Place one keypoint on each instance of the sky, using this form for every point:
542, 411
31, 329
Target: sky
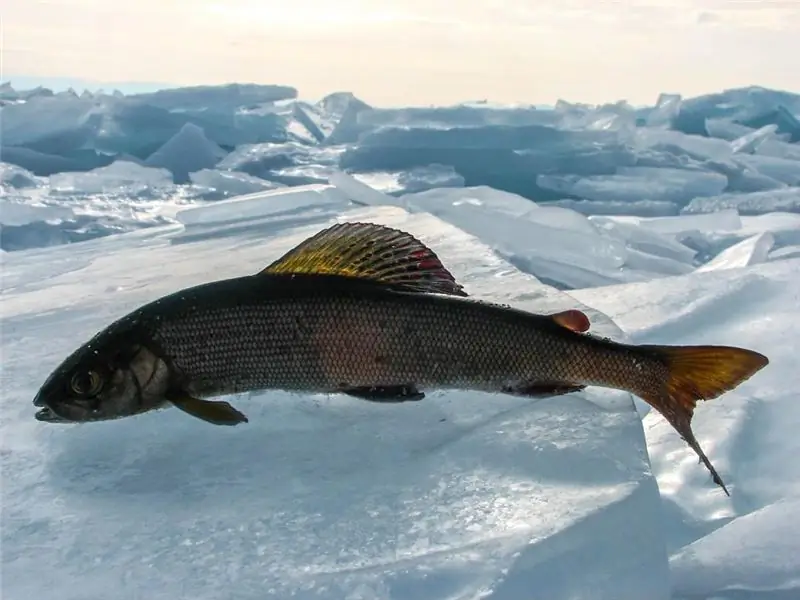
409, 52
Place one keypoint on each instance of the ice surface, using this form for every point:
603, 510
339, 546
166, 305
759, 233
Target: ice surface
418, 179
317, 200
753, 556
223, 184
675, 142
20, 213
632, 184
12, 176
187, 151
43, 164
646, 239
751, 251
779, 149
464, 495
781, 169
785, 252
749, 141
751, 106
121, 176
554, 244
506, 158
500, 497
754, 203
359, 120
204, 97
666, 109
271, 161
643, 208
726, 129
750, 433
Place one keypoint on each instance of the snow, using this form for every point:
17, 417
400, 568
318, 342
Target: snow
676, 223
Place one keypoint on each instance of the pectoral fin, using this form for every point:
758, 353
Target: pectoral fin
543, 390
217, 412
391, 393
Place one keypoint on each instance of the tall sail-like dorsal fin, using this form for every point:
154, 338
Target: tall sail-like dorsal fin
373, 252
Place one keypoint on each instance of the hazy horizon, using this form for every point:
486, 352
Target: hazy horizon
411, 52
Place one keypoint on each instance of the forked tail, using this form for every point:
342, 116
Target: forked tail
698, 373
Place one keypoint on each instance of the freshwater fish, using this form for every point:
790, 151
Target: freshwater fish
369, 311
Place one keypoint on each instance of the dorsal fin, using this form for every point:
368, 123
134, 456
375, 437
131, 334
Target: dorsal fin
373, 252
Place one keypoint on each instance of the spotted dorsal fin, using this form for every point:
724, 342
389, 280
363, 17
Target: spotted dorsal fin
372, 252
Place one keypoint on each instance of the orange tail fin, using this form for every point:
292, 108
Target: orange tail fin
699, 373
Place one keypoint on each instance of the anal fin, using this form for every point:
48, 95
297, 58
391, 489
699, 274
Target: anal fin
216, 412
543, 389
386, 393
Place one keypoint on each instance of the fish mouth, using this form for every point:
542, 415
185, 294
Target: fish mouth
48, 416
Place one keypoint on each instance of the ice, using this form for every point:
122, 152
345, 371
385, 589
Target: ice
666, 109
779, 149
675, 142
319, 200
781, 169
303, 115
751, 140
787, 122
431, 176
139, 125
750, 433
785, 252
274, 161
753, 556
723, 220
748, 252
464, 495
726, 129
645, 239
15, 177
751, 106
359, 120
223, 184
754, 203
632, 184
122, 175
187, 151
643, 208
43, 164
505, 158
204, 97
554, 244
20, 213
418, 179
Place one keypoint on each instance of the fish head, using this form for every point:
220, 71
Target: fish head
110, 377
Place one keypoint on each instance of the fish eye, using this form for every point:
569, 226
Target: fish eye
86, 383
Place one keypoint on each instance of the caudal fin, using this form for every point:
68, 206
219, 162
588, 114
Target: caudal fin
699, 373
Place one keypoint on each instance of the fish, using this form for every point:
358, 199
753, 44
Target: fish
371, 312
